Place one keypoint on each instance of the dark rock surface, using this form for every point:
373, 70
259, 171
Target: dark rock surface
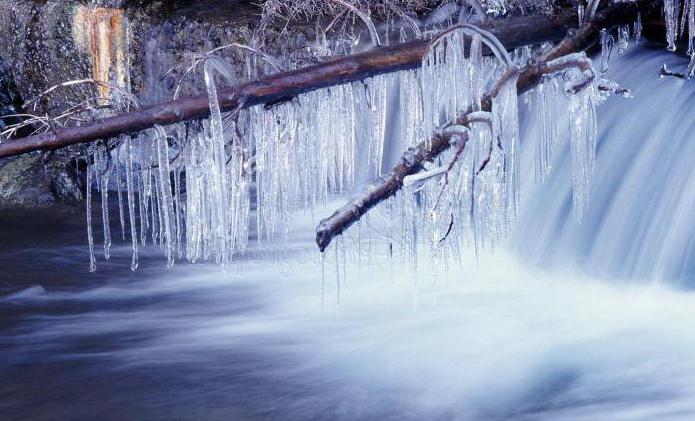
30, 181
54, 41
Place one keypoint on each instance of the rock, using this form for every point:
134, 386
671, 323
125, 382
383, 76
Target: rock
28, 181
23, 183
66, 189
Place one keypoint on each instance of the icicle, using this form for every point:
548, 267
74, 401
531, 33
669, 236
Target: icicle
411, 108
671, 17
218, 193
154, 211
637, 31
142, 201
691, 37
131, 201
506, 130
377, 89
684, 18
475, 71
104, 187
583, 132
607, 42
337, 277
548, 96
119, 188
165, 204
90, 237
623, 39
177, 211
323, 279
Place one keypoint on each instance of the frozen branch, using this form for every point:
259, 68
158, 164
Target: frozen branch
488, 38
512, 32
374, 35
578, 61
561, 57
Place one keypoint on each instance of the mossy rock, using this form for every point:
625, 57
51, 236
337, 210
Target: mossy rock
26, 182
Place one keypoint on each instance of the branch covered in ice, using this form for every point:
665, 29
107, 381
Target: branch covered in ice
408, 20
513, 32
471, 30
410, 163
578, 61
550, 62
373, 34
689, 73
413, 160
198, 59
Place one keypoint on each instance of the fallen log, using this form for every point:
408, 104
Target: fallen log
513, 32
412, 161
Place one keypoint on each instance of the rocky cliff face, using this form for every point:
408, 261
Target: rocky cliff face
144, 46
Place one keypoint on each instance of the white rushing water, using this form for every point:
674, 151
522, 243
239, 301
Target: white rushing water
638, 223
540, 330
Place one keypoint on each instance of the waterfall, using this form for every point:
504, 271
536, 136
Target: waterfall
640, 222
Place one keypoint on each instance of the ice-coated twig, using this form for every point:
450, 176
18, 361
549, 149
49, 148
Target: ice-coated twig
458, 135
471, 30
612, 87
198, 59
268, 58
373, 34
29, 120
480, 117
667, 72
127, 95
414, 26
579, 61
475, 5
416, 181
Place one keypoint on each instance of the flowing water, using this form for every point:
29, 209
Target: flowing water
569, 322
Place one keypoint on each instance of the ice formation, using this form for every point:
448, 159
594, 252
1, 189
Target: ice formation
202, 190
680, 23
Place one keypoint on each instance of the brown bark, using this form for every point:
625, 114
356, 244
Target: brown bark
411, 162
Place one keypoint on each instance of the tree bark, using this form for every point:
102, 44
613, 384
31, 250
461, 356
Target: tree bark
513, 32
412, 161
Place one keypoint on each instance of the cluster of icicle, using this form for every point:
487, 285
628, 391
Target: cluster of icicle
192, 188
469, 198
467, 203
202, 190
551, 102
680, 16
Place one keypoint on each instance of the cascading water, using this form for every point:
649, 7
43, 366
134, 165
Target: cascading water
408, 315
638, 222
496, 341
